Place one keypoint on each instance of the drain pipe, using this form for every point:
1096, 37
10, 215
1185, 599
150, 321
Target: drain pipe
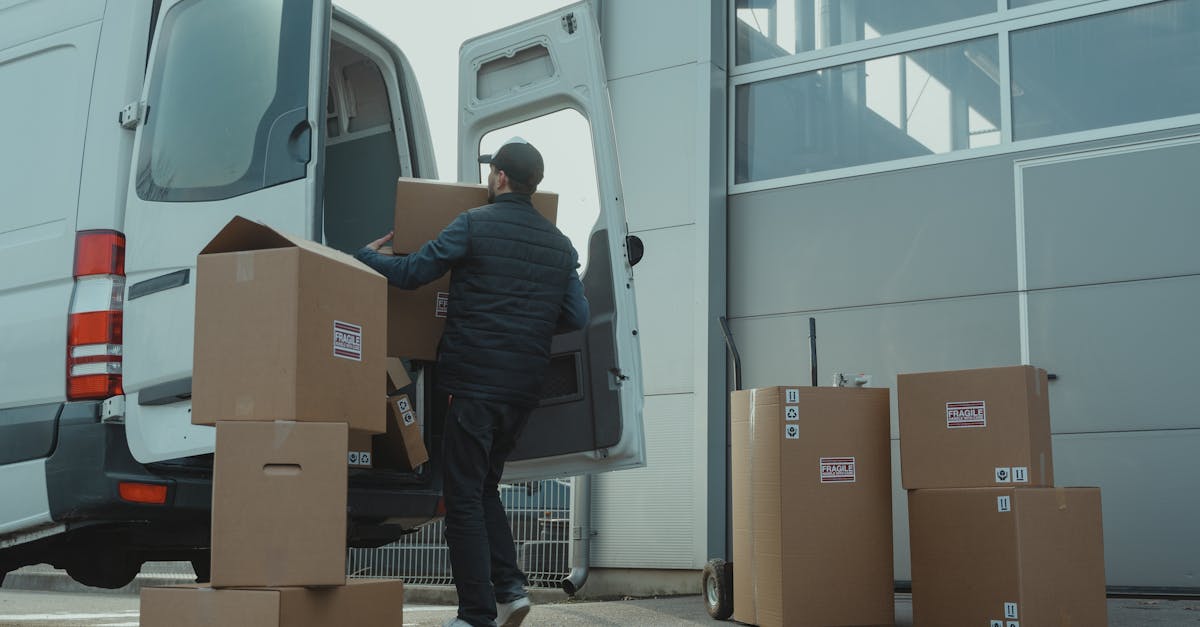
581, 533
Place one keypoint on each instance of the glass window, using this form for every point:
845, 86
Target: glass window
1016, 4
925, 102
767, 29
1116, 68
228, 100
565, 140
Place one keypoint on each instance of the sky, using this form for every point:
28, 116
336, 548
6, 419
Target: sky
429, 34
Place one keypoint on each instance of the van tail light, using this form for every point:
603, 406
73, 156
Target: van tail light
150, 493
95, 320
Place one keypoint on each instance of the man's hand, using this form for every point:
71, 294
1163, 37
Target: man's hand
379, 243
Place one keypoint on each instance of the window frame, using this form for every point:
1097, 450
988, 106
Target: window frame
1000, 24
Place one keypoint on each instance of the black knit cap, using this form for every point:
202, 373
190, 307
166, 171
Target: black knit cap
519, 160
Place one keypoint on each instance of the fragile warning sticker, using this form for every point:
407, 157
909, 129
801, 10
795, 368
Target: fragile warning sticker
966, 414
837, 470
347, 340
442, 305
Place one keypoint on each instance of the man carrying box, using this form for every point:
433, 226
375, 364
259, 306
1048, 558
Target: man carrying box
514, 284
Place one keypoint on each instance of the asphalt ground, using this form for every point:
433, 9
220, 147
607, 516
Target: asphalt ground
64, 609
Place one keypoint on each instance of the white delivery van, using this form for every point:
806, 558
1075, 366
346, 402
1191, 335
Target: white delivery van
130, 132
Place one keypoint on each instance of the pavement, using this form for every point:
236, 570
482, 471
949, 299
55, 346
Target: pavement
90, 609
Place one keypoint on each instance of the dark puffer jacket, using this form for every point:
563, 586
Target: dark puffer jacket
513, 283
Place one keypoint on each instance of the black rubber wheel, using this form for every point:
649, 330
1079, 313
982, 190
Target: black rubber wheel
717, 588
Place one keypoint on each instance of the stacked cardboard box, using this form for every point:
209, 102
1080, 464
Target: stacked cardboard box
993, 542
289, 359
812, 507
423, 208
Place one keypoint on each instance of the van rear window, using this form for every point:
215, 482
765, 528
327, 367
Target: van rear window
227, 101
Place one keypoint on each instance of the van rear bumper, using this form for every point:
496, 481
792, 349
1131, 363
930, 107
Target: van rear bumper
91, 459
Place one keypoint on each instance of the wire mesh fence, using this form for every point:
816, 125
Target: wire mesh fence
539, 513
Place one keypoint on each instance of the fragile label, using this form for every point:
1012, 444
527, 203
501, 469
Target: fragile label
1010, 610
997, 623
360, 458
1013, 623
791, 412
408, 418
1003, 504
1020, 474
792, 395
966, 414
441, 305
347, 340
837, 470
791, 432
1003, 475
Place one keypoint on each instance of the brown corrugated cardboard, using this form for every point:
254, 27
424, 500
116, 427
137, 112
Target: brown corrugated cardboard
361, 446
397, 375
363, 603
286, 329
812, 507
975, 428
403, 446
423, 208
988, 556
279, 504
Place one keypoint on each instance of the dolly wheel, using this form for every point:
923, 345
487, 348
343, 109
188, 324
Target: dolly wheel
717, 583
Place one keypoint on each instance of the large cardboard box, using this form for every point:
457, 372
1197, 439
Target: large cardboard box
812, 507
975, 428
1007, 557
423, 208
403, 446
368, 603
286, 329
279, 504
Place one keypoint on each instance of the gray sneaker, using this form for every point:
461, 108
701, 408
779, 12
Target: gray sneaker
511, 614
456, 622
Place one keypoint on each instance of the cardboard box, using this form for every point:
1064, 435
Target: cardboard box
286, 329
812, 507
403, 446
362, 603
361, 447
1007, 556
279, 504
397, 375
423, 208
975, 428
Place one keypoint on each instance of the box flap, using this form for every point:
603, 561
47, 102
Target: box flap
244, 234
397, 376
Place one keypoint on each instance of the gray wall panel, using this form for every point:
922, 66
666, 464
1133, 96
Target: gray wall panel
932, 232
1112, 216
1148, 490
975, 332
641, 36
1125, 354
665, 290
660, 191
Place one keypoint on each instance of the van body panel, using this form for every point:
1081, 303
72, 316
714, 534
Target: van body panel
27, 479
46, 86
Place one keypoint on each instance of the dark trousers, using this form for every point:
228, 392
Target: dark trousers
478, 439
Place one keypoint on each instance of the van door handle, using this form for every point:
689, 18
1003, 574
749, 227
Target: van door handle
166, 393
178, 278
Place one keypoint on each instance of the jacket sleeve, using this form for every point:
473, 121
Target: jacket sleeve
575, 309
433, 260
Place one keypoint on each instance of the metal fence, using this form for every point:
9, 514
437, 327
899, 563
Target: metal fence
539, 513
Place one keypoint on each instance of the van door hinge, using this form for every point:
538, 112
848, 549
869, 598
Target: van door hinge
132, 114
113, 409
569, 24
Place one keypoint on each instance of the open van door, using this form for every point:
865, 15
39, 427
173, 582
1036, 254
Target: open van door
590, 419
229, 123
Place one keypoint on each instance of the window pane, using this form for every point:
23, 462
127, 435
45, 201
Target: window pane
229, 85
778, 28
1016, 4
925, 102
1128, 66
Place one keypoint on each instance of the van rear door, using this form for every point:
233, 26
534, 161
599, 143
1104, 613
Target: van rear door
590, 419
230, 123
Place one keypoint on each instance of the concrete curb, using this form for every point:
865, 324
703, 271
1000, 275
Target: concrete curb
59, 581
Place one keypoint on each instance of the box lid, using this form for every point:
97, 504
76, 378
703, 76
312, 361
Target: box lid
242, 234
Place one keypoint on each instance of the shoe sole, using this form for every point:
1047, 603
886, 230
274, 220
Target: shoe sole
518, 616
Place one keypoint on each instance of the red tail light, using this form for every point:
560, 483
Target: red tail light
98, 253
151, 493
94, 327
